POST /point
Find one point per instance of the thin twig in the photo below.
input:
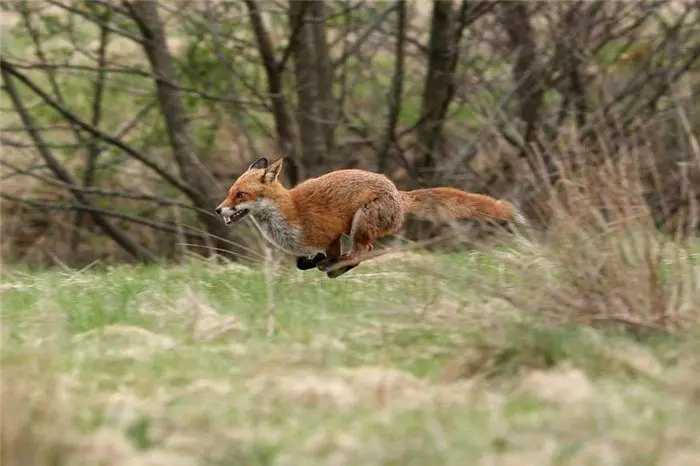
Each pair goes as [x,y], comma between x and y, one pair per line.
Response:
[70,116]
[96,211]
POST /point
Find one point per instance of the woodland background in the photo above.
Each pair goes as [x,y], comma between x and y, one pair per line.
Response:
[124,122]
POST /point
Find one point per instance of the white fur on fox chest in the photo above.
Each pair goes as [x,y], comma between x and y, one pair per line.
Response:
[273,226]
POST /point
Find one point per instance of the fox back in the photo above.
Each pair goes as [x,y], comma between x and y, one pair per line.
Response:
[328,204]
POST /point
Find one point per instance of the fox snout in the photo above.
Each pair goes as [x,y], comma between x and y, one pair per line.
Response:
[229,213]
[223,211]
[224,208]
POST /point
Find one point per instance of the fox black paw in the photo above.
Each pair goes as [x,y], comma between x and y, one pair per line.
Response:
[306,263]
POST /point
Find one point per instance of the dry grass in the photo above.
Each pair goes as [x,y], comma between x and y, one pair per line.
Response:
[601,261]
[154,366]
[33,422]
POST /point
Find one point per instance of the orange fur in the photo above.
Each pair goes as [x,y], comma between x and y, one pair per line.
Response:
[449,204]
[312,216]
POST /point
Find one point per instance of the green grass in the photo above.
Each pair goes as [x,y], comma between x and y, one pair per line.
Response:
[387,365]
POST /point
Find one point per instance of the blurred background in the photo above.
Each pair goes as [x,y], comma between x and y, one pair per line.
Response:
[124,123]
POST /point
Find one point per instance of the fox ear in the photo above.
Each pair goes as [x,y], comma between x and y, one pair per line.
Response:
[273,171]
[260,163]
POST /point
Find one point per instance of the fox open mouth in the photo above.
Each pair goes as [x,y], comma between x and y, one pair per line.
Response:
[236,217]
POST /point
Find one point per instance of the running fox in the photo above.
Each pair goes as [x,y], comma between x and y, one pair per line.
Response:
[310,219]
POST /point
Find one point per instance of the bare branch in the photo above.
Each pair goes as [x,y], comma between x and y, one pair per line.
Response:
[99,191]
[94,19]
[61,173]
[97,212]
[373,26]
[5,65]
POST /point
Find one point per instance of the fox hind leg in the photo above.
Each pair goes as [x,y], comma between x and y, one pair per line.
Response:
[380,217]
[335,273]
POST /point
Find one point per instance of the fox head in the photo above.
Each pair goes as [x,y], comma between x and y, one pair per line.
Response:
[251,191]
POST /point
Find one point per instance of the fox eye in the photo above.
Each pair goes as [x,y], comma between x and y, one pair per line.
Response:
[240,195]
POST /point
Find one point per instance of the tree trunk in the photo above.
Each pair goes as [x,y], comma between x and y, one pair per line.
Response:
[273,70]
[206,194]
[441,61]
[396,93]
[310,117]
[526,68]
[324,74]
[528,77]
[93,147]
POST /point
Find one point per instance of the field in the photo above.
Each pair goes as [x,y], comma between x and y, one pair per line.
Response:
[403,361]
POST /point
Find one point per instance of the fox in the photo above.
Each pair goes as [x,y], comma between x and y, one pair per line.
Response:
[311,220]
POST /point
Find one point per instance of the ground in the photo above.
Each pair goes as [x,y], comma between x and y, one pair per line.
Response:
[388,365]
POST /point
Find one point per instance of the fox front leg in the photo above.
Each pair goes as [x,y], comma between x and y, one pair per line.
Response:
[333,253]
[307,263]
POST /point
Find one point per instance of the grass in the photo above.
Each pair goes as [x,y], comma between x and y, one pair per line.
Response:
[386,365]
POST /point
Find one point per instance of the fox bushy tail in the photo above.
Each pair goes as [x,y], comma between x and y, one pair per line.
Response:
[450,204]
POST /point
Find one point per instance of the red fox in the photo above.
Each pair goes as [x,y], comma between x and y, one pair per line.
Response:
[310,220]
